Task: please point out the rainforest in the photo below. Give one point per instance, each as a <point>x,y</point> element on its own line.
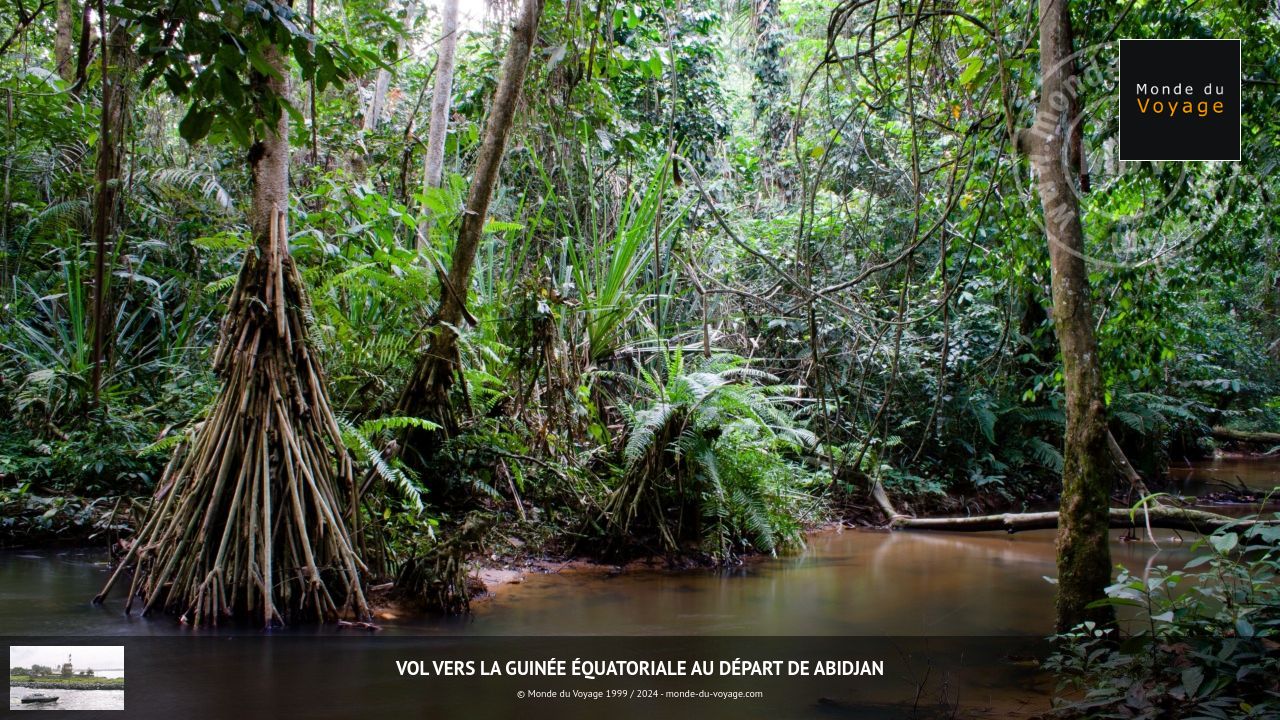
<point>642,318</point>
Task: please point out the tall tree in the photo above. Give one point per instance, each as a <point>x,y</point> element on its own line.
<point>377,104</point>
<point>771,87</point>
<point>116,56</point>
<point>84,48</point>
<point>64,26</point>
<point>427,393</point>
<point>1084,556</point>
<point>441,101</point>
<point>255,515</point>
<point>442,94</point>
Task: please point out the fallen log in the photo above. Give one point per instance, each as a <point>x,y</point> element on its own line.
<point>1168,518</point>
<point>1150,516</point>
<point>1243,436</point>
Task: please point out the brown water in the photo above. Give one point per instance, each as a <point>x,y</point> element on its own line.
<point>961,591</point>
<point>844,583</point>
<point>853,582</point>
<point>1225,472</point>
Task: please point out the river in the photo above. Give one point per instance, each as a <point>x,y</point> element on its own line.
<point>68,699</point>
<point>853,584</point>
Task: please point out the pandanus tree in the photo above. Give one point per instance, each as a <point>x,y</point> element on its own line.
<point>255,514</point>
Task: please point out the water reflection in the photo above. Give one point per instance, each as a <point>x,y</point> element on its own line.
<point>1223,472</point>
<point>847,583</point>
<point>843,583</point>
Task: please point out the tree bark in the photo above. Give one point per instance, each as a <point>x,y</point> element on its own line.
<point>1136,485</point>
<point>269,162</point>
<point>427,393</point>
<point>84,49</point>
<point>1152,515</point>
<point>1084,558</point>
<point>382,82</point>
<point>116,57</point>
<point>442,95</point>
<point>441,101</point>
<point>373,111</point>
<point>63,28</point>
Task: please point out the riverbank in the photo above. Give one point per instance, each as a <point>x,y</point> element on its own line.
<point>498,576</point>
<point>68,683</point>
<point>966,592</point>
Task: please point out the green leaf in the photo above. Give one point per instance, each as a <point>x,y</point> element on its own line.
<point>195,125</point>
<point>1224,543</point>
<point>436,199</point>
<point>175,83</point>
<point>229,83</point>
<point>259,63</point>
<point>494,226</point>
<point>229,56</point>
<point>1197,561</point>
<point>1192,679</point>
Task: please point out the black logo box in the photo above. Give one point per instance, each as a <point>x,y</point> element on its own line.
<point>1187,68</point>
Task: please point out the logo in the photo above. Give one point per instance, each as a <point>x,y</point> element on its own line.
<point>1142,211</point>
<point>1179,100</point>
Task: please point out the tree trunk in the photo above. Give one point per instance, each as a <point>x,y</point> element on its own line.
<point>84,49</point>
<point>116,57</point>
<point>382,82</point>
<point>373,111</point>
<point>64,25</point>
<point>441,101</point>
<point>1151,515</point>
<point>442,95</point>
<point>256,515</point>
<point>427,393</point>
<point>1084,558</point>
<point>1136,485</point>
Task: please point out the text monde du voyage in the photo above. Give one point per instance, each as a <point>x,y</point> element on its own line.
<point>1180,99</point>
<point>591,669</point>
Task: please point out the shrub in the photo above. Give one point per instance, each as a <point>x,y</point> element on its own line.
<point>710,460</point>
<point>1204,644</point>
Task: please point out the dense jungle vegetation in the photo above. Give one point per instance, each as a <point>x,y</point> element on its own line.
<point>353,292</point>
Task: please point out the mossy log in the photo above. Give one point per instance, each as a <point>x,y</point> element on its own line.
<point>1152,515</point>
<point>1243,436</point>
<point>1168,518</point>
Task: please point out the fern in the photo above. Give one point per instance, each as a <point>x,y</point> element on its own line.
<point>985,418</point>
<point>711,435</point>
<point>53,218</point>
<point>1045,454</point>
<point>188,179</point>
<point>1134,421</point>
<point>361,442</point>
<point>1026,415</point>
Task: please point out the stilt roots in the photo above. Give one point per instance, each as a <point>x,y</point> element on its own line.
<point>255,516</point>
